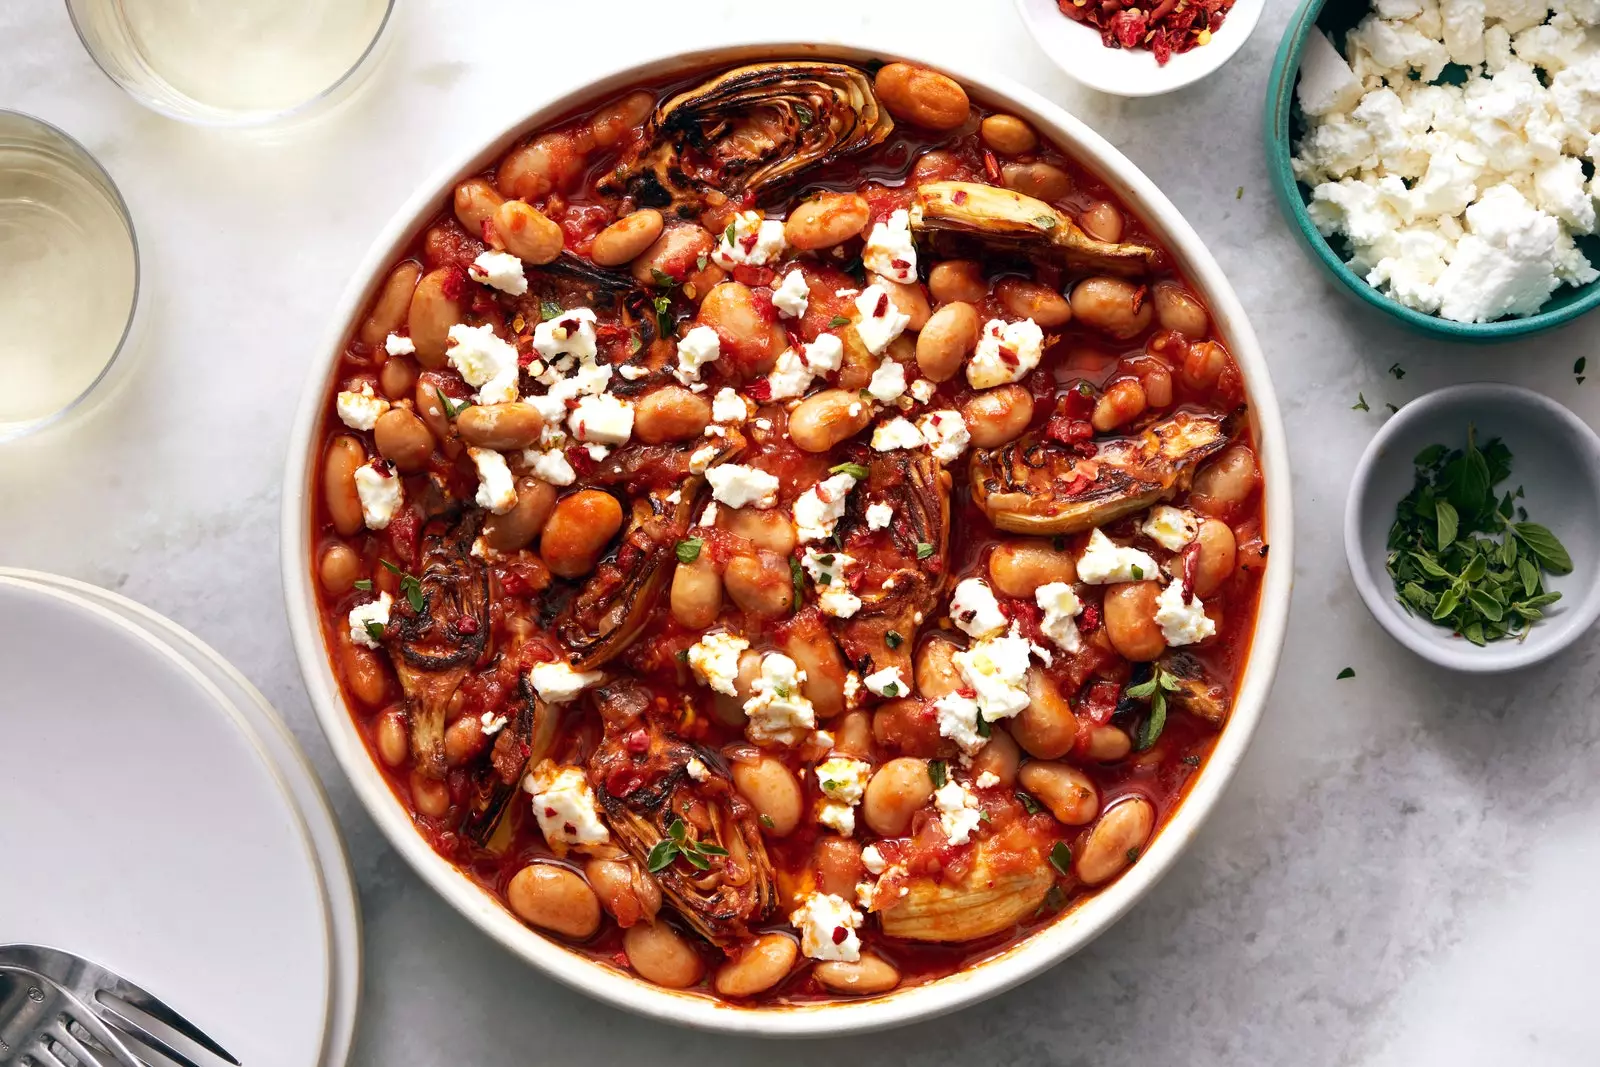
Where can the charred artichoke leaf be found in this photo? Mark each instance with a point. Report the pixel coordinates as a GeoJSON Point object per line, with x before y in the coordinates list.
{"type": "Point", "coordinates": [750, 129]}
{"type": "Point", "coordinates": [1197, 693]}
{"type": "Point", "coordinates": [1035, 486]}
{"type": "Point", "coordinates": [949, 213]}
{"type": "Point", "coordinates": [986, 901]}
{"type": "Point", "coordinates": [521, 745]}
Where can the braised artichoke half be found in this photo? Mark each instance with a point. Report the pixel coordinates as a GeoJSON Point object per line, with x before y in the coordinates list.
{"type": "Point", "coordinates": [519, 747]}
{"type": "Point", "coordinates": [750, 129]}
{"type": "Point", "coordinates": [918, 489]}
{"type": "Point", "coordinates": [1197, 693]}
{"type": "Point", "coordinates": [701, 837]}
{"type": "Point", "coordinates": [438, 629]}
{"type": "Point", "coordinates": [1035, 486]}
{"type": "Point", "coordinates": [986, 900]}
{"type": "Point", "coordinates": [954, 216]}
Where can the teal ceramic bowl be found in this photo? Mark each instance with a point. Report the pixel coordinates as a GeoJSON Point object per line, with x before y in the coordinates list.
{"type": "Point", "coordinates": [1281, 127]}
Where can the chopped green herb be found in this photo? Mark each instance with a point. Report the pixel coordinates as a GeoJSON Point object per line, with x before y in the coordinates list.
{"type": "Point", "coordinates": [1348, 672]}
{"type": "Point", "coordinates": [839, 320]}
{"type": "Point", "coordinates": [1061, 857]}
{"type": "Point", "coordinates": [634, 343]}
{"type": "Point", "coordinates": [1138, 572]}
{"type": "Point", "coordinates": [1055, 900]}
{"type": "Point", "coordinates": [364, 584]}
{"type": "Point", "coordinates": [854, 470]}
{"type": "Point", "coordinates": [1397, 370]}
{"type": "Point", "coordinates": [1046, 222]}
{"type": "Point", "coordinates": [1133, 854]}
{"type": "Point", "coordinates": [410, 587]}
{"type": "Point", "coordinates": [1238, 194]}
{"type": "Point", "coordinates": [1360, 404]}
{"type": "Point", "coordinates": [938, 773]}
{"type": "Point", "coordinates": [1155, 690]}
{"type": "Point", "coordinates": [983, 727]}
{"type": "Point", "coordinates": [662, 278]}
{"type": "Point", "coordinates": [1393, 408]}
{"type": "Point", "coordinates": [797, 576]}
{"type": "Point", "coordinates": [689, 550]}
{"type": "Point", "coordinates": [375, 630]}
{"type": "Point", "coordinates": [924, 550]}
{"type": "Point", "coordinates": [549, 309]}
{"type": "Point", "coordinates": [729, 233]}
{"type": "Point", "coordinates": [766, 820]}
{"type": "Point", "coordinates": [893, 639]}
{"type": "Point", "coordinates": [1029, 805]}
{"type": "Point", "coordinates": [1577, 367]}
{"type": "Point", "coordinates": [804, 114]}
{"type": "Point", "coordinates": [892, 689]}
{"type": "Point", "coordinates": [452, 408]}
{"type": "Point", "coordinates": [700, 261]}
{"type": "Point", "coordinates": [678, 844]}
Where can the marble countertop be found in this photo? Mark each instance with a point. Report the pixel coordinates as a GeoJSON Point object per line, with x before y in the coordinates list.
{"type": "Point", "coordinates": [1399, 874]}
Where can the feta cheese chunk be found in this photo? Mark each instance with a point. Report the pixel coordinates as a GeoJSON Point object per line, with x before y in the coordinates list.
{"type": "Point", "coordinates": [896, 433]}
{"type": "Point", "coordinates": [889, 251]}
{"type": "Point", "coordinates": [778, 712]}
{"type": "Point", "coordinates": [872, 859]}
{"type": "Point", "coordinates": [602, 420]}
{"type": "Point", "coordinates": [888, 682]}
{"type": "Point", "coordinates": [996, 669]}
{"type": "Point", "coordinates": [359, 409]}
{"type": "Point", "coordinates": [700, 459]}
{"type": "Point", "coordinates": [485, 361]}
{"type": "Point", "coordinates": [1170, 527]}
{"type": "Point", "coordinates": [396, 345]}
{"type": "Point", "coordinates": [1182, 623]}
{"type": "Point", "coordinates": [492, 723]}
{"type": "Point", "coordinates": [379, 490]}
{"type": "Point", "coordinates": [696, 348]}
{"type": "Point", "coordinates": [715, 659]}
{"type": "Point", "coordinates": [843, 778]}
{"type": "Point", "coordinates": [833, 588]}
{"type": "Point", "coordinates": [363, 617]}
{"type": "Point", "coordinates": [818, 510]}
{"type": "Point", "coordinates": [879, 322]}
{"type": "Point", "coordinates": [499, 270]}
{"type": "Point", "coordinates": [739, 486]}
{"type": "Point", "coordinates": [697, 769]}
{"type": "Point", "coordinates": [825, 354]}
{"type": "Point", "coordinates": [749, 238]}
{"type": "Point", "coordinates": [790, 377]}
{"type": "Point", "coordinates": [1327, 85]}
{"type": "Point", "coordinates": [922, 390]}
{"type": "Point", "coordinates": [879, 516]}
{"type": "Point", "coordinates": [564, 805]}
{"type": "Point", "coordinates": [557, 683]}
{"type": "Point", "coordinates": [959, 813]}
{"type": "Point", "coordinates": [497, 491]}
{"type": "Point", "coordinates": [728, 407]}
{"type": "Point", "coordinates": [1060, 606]}
{"type": "Point", "coordinates": [827, 926]}
{"type": "Point", "coordinates": [570, 333]}
{"type": "Point", "coordinates": [974, 608]}
{"type": "Point", "coordinates": [946, 433]}
{"type": "Point", "coordinates": [840, 818]}
{"type": "Point", "coordinates": [888, 382]}
{"type": "Point", "coordinates": [958, 721]}
{"type": "Point", "coordinates": [1104, 562]}
{"type": "Point", "coordinates": [793, 296]}
{"type": "Point", "coordinates": [1007, 351]}
{"type": "Point", "coordinates": [552, 466]}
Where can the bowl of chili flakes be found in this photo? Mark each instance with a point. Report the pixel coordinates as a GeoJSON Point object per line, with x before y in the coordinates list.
{"type": "Point", "coordinates": [1139, 47]}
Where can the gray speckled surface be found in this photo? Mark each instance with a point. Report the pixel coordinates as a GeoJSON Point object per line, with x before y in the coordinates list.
{"type": "Point", "coordinates": [1399, 873]}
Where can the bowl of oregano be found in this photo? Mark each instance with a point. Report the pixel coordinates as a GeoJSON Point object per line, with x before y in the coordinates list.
{"type": "Point", "coordinates": [1472, 527]}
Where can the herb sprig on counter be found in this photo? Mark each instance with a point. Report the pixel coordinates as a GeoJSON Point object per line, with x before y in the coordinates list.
{"type": "Point", "coordinates": [1464, 555]}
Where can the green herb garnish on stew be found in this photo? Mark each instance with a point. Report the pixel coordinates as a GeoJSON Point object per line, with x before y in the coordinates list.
{"type": "Point", "coordinates": [924, 550]}
{"type": "Point", "coordinates": [1155, 690]}
{"type": "Point", "coordinates": [1463, 555]}
{"type": "Point", "coordinates": [1061, 857]}
{"type": "Point", "coordinates": [678, 843]}
{"type": "Point", "coordinates": [689, 551]}
{"type": "Point", "coordinates": [854, 470]}
{"type": "Point", "coordinates": [410, 587]}
{"type": "Point", "coordinates": [938, 773]}
{"type": "Point", "coordinates": [839, 320]}
{"type": "Point", "coordinates": [364, 584]}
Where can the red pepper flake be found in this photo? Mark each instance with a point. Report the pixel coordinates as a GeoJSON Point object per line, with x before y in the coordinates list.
{"type": "Point", "coordinates": [549, 812]}
{"type": "Point", "coordinates": [899, 264]}
{"type": "Point", "coordinates": [467, 624]}
{"type": "Point", "coordinates": [1008, 355]}
{"type": "Point", "coordinates": [1168, 28]}
{"type": "Point", "coordinates": [960, 197]}
{"type": "Point", "coordinates": [1089, 620]}
{"type": "Point", "coordinates": [840, 934]}
{"type": "Point", "coordinates": [760, 391]}
{"type": "Point", "coordinates": [454, 283]}
{"type": "Point", "coordinates": [883, 306]}
{"type": "Point", "coordinates": [991, 167]}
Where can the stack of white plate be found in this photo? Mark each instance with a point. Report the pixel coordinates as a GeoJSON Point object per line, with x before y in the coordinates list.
{"type": "Point", "coordinates": [157, 818]}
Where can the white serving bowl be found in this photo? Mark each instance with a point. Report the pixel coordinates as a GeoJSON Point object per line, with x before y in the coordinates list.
{"type": "Point", "coordinates": [1077, 49]}
{"type": "Point", "coordinates": [1034, 954]}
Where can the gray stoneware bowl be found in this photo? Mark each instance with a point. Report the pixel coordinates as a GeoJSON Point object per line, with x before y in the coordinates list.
{"type": "Point", "coordinates": [1555, 458]}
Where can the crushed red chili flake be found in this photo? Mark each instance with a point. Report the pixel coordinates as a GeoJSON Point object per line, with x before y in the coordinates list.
{"type": "Point", "coordinates": [960, 196]}
{"type": "Point", "coordinates": [1168, 28]}
{"type": "Point", "coordinates": [1089, 619]}
{"type": "Point", "coordinates": [883, 305]}
{"type": "Point", "coordinates": [839, 935]}
{"type": "Point", "coordinates": [454, 283]}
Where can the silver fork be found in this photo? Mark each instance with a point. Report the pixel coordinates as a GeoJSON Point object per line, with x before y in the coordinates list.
{"type": "Point", "coordinates": [98, 1017]}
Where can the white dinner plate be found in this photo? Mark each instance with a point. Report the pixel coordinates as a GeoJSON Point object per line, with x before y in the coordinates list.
{"type": "Point", "coordinates": [343, 908]}
{"type": "Point", "coordinates": [146, 827]}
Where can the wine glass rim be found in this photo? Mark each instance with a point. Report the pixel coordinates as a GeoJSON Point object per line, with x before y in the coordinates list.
{"type": "Point", "coordinates": [224, 117]}
{"type": "Point", "coordinates": [86, 162]}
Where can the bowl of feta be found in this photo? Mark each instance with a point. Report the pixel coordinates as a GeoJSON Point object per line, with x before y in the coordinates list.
{"type": "Point", "coordinates": [1439, 158]}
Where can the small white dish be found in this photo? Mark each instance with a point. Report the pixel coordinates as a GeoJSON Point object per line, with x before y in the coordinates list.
{"type": "Point", "coordinates": [161, 840]}
{"type": "Point", "coordinates": [343, 907]}
{"type": "Point", "coordinates": [1077, 49]}
{"type": "Point", "coordinates": [1555, 458]}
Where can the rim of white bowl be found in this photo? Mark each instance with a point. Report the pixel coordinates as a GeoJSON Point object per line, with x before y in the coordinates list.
{"type": "Point", "coordinates": [1077, 50]}
{"type": "Point", "coordinates": [1038, 951]}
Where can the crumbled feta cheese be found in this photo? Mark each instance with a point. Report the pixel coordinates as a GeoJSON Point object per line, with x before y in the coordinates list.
{"type": "Point", "coordinates": [778, 712]}
{"type": "Point", "coordinates": [1104, 562]}
{"type": "Point", "coordinates": [1182, 623]}
{"type": "Point", "coordinates": [557, 683]}
{"type": "Point", "coordinates": [697, 770]}
{"type": "Point", "coordinates": [698, 347]}
{"type": "Point", "coordinates": [602, 420]}
{"type": "Point", "coordinates": [793, 296]}
{"type": "Point", "coordinates": [818, 510]}
{"type": "Point", "coordinates": [397, 345]}
{"type": "Point", "coordinates": [708, 517]}
{"type": "Point", "coordinates": [632, 372]}
{"type": "Point", "coordinates": [497, 491]}
{"type": "Point", "coordinates": [959, 812]}
{"type": "Point", "coordinates": [700, 459]}
{"type": "Point", "coordinates": [1327, 84]}
{"type": "Point", "coordinates": [372, 613]}
{"type": "Point", "coordinates": [879, 516]}
{"type": "Point", "coordinates": [888, 381]}
{"type": "Point", "coordinates": [843, 778]}
{"type": "Point", "coordinates": [485, 361]}
{"type": "Point", "coordinates": [888, 682]}
{"type": "Point", "coordinates": [996, 669]}
{"type": "Point", "coordinates": [715, 658]}
{"type": "Point", "coordinates": [946, 433]}
{"type": "Point", "coordinates": [564, 805]}
{"type": "Point", "coordinates": [1007, 351]}
{"type": "Point", "coordinates": [751, 239]}
{"type": "Point", "coordinates": [827, 573]}
{"type": "Point", "coordinates": [872, 859]}
{"type": "Point", "coordinates": [974, 608]}
{"type": "Point", "coordinates": [958, 721]}
{"type": "Point", "coordinates": [1170, 527]}
{"type": "Point", "coordinates": [789, 377]}
{"type": "Point", "coordinates": [380, 493]}
{"type": "Point", "coordinates": [879, 321]}
{"type": "Point", "coordinates": [824, 354]}
{"type": "Point", "coordinates": [740, 486]}
{"type": "Point", "coordinates": [570, 333]}
{"type": "Point", "coordinates": [840, 818]}
{"type": "Point", "coordinates": [499, 270]}
{"type": "Point", "coordinates": [728, 407]}
{"type": "Point", "coordinates": [492, 723]}
{"type": "Point", "coordinates": [359, 409]}
{"type": "Point", "coordinates": [922, 390]}
{"type": "Point", "coordinates": [552, 466]}
{"type": "Point", "coordinates": [896, 433]}
{"type": "Point", "coordinates": [1060, 606]}
{"type": "Point", "coordinates": [986, 780]}
{"type": "Point", "coordinates": [889, 251]}
{"type": "Point", "coordinates": [827, 926]}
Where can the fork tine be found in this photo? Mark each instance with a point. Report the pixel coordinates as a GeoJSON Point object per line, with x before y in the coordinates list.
{"type": "Point", "coordinates": [116, 986]}
{"type": "Point", "coordinates": [85, 1056]}
{"type": "Point", "coordinates": [130, 1027]}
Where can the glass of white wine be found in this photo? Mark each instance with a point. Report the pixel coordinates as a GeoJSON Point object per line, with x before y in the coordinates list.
{"type": "Point", "coordinates": [232, 62]}
{"type": "Point", "coordinates": [69, 274]}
